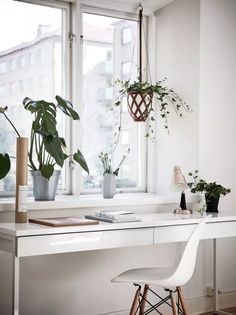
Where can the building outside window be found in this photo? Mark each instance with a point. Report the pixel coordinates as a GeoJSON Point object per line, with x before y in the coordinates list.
{"type": "Point", "coordinates": [21, 46]}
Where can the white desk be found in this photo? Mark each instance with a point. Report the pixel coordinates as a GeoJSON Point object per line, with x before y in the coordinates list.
{"type": "Point", "coordinates": [22, 240]}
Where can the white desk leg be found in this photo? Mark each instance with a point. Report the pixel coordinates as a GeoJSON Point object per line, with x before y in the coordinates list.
{"type": "Point", "coordinates": [215, 283]}
{"type": "Point", "coordinates": [15, 286]}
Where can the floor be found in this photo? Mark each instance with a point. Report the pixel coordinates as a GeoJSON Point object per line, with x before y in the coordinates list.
{"type": "Point", "coordinates": [230, 310]}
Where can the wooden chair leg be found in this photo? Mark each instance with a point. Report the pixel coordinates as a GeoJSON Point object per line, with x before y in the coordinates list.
{"type": "Point", "coordinates": [182, 301]}
{"type": "Point", "coordinates": [173, 303]}
{"type": "Point", "coordinates": [135, 303]}
{"type": "Point", "coordinates": [143, 301]}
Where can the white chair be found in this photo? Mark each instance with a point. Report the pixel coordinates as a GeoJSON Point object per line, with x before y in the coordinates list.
{"type": "Point", "coordinates": [171, 279]}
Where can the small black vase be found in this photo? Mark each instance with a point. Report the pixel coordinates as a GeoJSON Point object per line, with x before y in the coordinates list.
{"type": "Point", "coordinates": [212, 203]}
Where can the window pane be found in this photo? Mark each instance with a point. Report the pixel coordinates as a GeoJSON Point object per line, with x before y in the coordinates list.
{"type": "Point", "coordinates": [30, 51]}
{"type": "Point", "coordinates": [106, 59]}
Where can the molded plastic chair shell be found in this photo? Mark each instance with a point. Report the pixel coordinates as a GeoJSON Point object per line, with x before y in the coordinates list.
{"type": "Point", "coordinates": [169, 277]}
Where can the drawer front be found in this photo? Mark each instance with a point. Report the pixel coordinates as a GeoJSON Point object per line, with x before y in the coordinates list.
{"type": "Point", "coordinates": [66, 243]}
{"type": "Point", "coordinates": [170, 234]}
{"type": "Point", "coordinates": [179, 233]}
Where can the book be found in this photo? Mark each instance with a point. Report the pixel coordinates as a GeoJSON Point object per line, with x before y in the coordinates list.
{"type": "Point", "coordinates": [116, 214]}
{"type": "Point", "coordinates": [121, 219]}
{"type": "Point", "coordinates": [63, 221]}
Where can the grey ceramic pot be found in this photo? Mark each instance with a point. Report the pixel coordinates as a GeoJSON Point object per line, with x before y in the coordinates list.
{"type": "Point", "coordinates": [109, 185]}
{"type": "Point", "coordinates": [43, 188]}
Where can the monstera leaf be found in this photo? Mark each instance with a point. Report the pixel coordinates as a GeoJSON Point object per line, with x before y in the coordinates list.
{"type": "Point", "coordinates": [67, 108]}
{"type": "Point", "coordinates": [5, 165]}
{"type": "Point", "coordinates": [45, 112]}
{"type": "Point", "coordinates": [79, 158]}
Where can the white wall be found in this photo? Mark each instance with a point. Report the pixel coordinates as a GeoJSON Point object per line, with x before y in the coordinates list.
{"type": "Point", "coordinates": [196, 50]}
{"type": "Point", "coordinates": [177, 58]}
{"type": "Point", "coordinates": [217, 114]}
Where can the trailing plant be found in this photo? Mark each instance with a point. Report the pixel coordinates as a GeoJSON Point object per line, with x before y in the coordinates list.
{"type": "Point", "coordinates": [5, 162]}
{"type": "Point", "coordinates": [45, 143]}
{"type": "Point", "coordinates": [211, 189]}
{"type": "Point", "coordinates": [165, 97]}
{"type": "Point", "coordinates": [106, 160]}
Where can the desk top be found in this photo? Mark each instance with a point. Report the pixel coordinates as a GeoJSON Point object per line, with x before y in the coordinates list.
{"type": "Point", "coordinates": [147, 221]}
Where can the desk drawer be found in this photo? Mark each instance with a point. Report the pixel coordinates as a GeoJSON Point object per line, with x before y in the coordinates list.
{"type": "Point", "coordinates": [170, 234]}
{"type": "Point", "coordinates": [180, 233]}
{"type": "Point", "coordinates": [74, 242]}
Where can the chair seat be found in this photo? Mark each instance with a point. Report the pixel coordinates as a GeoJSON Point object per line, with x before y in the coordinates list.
{"type": "Point", "coordinates": [151, 276]}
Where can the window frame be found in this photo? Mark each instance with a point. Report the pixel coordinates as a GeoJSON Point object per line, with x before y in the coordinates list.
{"type": "Point", "coordinates": [71, 31]}
{"type": "Point", "coordinates": [67, 74]}
{"type": "Point", "coordinates": [141, 133]}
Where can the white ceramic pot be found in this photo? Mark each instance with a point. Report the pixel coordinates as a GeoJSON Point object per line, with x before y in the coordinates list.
{"type": "Point", "coordinates": [109, 185]}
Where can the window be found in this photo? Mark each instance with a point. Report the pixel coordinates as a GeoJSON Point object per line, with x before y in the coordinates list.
{"type": "Point", "coordinates": [126, 35]}
{"type": "Point", "coordinates": [105, 60]}
{"type": "Point", "coordinates": [25, 49]}
{"type": "Point", "coordinates": [3, 67]}
{"type": "Point", "coordinates": [13, 64]}
{"type": "Point", "coordinates": [125, 70]}
{"type": "Point", "coordinates": [39, 66]}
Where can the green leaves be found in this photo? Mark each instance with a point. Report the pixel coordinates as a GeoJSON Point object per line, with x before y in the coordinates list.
{"type": "Point", "coordinates": [47, 170]}
{"type": "Point", "coordinates": [46, 143]}
{"type": "Point", "coordinates": [67, 108]}
{"type": "Point", "coordinates": [79, 158]}
{"type": "Point", "coordinates": [212, 189]}
{"type": "Point", "coordinates": [45, 115]}
{"type": "Point", "coordinates": [5, 165]}
{"type": "Point", "coordinates": [53, 146]}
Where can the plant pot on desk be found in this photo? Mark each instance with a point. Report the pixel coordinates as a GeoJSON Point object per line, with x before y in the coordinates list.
{"type": "Point", "coordinates": [212, 203]}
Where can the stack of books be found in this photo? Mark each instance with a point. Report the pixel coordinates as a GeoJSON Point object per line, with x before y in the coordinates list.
{"type": "Point", "coordinates": [114, 216]}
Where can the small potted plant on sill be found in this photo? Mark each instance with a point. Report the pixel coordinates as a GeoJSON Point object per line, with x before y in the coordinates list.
{"type": "Point", "coordinates": [109, 180]}
{"type": "Point", "coordinates": [212, 191]}
{"type": "Point", "coordinates": [139, 100]}
{"type": "Point", "coordinates": [47, 148]}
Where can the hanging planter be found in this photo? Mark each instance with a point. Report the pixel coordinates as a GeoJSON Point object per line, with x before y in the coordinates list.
{"type": "Point", "coordinates": [139, 105]}
{"type": "Point", "coordinates": [140, 95]}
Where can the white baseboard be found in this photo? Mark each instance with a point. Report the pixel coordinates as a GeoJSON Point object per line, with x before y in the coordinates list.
{"type": "Point", "coordinates": [197, 305]}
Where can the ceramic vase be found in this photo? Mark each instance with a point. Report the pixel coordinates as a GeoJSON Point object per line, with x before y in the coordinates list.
{"type": "Point", "coordinates": [109, 185]}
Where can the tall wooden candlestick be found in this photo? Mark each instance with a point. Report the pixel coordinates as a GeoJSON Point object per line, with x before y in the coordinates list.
{"type": "Point", "coordinates": [21, 177]}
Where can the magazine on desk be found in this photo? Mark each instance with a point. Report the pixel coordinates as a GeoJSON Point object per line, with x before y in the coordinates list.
{"type": "Point", "coordinates": [114, 216]}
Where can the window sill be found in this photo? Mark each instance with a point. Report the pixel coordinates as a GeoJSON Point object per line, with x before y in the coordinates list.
{"type": "Point", "coordinates": [88, 201]}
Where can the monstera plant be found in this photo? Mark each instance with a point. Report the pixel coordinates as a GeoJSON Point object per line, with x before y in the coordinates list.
{"type": "Point", "coordinates": [47, 147]}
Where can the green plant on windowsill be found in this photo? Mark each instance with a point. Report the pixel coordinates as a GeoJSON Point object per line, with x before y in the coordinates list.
{"type": "Point", "coordinates": [212, 191]}
{"type": "Point", "coordinates": [165, 97]}
{"type": "Point", "coordinates": [5, 162]}
{"type": "Point", "coordinates": [106, 160]}
{"type": "Point", "coordinates": [45, 143]}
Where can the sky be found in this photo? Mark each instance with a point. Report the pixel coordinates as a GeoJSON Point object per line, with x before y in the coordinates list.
{"type": "Point", "coordinates": [19, 21]}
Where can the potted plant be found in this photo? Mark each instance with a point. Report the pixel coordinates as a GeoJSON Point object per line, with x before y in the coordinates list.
{"type": "Point", "coordinates": [109, 181]}
{"type": "Point", "coordinates": [47, 148]}
{"type": "Point", "coordinates": [212, 191]}
{"type": "Point", "coordinates": [5, 162]}
{"type": "Point", "coordinates": [140, 96]}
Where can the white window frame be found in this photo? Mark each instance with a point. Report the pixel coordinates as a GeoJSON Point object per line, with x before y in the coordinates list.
{"type": "Point", "coordinates": [73, 88]}
{"type": "Point", "coordinates": [76, 183]}
{"type": "Point", "coordinates": [66, 30]}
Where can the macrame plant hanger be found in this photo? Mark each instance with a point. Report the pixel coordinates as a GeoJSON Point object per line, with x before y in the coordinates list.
{"type": "Point", "coordinates": [139, 103]}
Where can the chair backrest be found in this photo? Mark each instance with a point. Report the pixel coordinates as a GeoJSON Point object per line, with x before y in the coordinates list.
{"type": "Point", "coordinates": [186, 266]}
